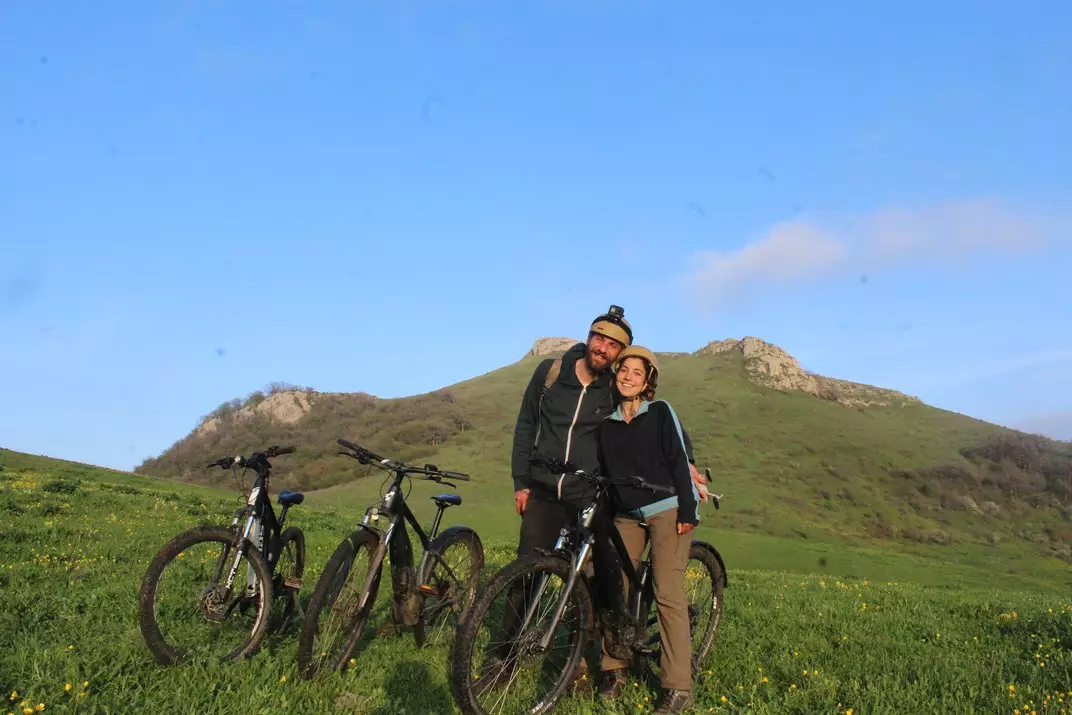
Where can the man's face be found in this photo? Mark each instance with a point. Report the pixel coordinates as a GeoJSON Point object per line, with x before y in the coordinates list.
{"type": "Point", "coordinates": [601, 352]}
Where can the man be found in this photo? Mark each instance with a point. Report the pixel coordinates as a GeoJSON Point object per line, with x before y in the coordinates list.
{"type": "Point", "coordinates": [560, 422]}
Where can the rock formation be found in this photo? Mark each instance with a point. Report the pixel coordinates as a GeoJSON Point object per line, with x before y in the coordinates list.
{"type": "Point", "coordinates": [550, 346]}
{"type": "Point", "coordinates": [286, 407]}
{"type": "Point", "coordinates": [773, 367]}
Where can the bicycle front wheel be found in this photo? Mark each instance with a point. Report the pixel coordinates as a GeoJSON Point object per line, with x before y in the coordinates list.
{"type": "Point", "coordinates": [499, 663]}
{"type": "Point", "coordinates": [336, 618]}
{"type": "Point", "coordinates": [187, 611]}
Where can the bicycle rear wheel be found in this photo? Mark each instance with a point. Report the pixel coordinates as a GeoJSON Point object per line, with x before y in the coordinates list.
{"type": "Point", "coordinates": [447, 585]}
{"type": "Point", "coordinates": [286, 578]}
{"type": "Point", "coordinates": [497, 664]}
{"type": "Point", "coordinates": [335, 618]}
{"type": "Point", "coordinates": [705, 583]}
{"type": "Point", "coordinates": [185, 609]}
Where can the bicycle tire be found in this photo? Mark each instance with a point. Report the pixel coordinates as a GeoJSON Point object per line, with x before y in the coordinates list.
{"type": "Point", "coordinates": [699, 551]}
{"type": "Point", "coordinates": [452, 536]}
{"type": "Point", "coordinates": [461, 681]}
{"type": "Point", "coordinates": [339, 564]}
{"type": "Point", "coordinates": [165, 653]}
{"type": "Point", "coordinates": [289, 597]}
{"type": "Point", "coordinates": [704, 554]}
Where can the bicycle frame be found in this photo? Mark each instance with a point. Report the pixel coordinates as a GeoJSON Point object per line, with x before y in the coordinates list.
{"type": "Point", "coordinates": [638, 578]}
{"type": "Point", "coordinates": [399, 516]}
{"type": "Point", "coordinates": [260, 518]}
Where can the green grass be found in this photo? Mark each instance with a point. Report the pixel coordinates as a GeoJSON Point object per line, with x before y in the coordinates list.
{"type": "Point", "coordinates": [876, 630]}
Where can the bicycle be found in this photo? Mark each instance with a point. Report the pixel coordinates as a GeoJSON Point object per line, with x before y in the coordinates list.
{"type": "Point", "coordinates": [237, 603]}
{"type": "Point", "coordinates": [423, 599]}
{"type": "Point", "coordinates": [629, 626]}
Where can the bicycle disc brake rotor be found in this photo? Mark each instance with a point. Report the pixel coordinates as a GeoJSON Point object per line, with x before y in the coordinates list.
{"type": "Point", "coordinates": [215, 604]}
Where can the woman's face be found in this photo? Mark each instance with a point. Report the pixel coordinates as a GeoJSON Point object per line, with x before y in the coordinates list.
{"type": "Point", "coordinates": [632, 377]}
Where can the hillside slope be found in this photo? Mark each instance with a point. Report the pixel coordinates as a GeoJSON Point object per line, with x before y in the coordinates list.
{"type": "Point", "coordinates": [797, 454]}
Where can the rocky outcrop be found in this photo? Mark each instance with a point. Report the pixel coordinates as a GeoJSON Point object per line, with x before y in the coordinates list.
{"type": "Point", "coordinates": [286, 407]}
{"type": "Point", "coordinates": [550, 346]}
{"type": "Point", "coordinates": [771, 366]}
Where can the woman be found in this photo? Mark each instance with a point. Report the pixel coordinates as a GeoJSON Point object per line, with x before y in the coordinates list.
{"type": "Point", "coordinates": [643, 438]}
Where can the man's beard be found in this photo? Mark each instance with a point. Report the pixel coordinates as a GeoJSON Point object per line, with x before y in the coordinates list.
{"type": "Point", "coordinates": [588, 359]}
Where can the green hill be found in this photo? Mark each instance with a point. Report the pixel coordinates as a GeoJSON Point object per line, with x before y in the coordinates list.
{"type": "Point", "coordinates": [797, 455]}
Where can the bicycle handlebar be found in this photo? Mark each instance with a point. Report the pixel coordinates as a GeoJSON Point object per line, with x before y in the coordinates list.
{"type": "Point", "coordinates": [430, 471]}
{"type": "Point", "coordinates": [240, 461]}
{"type": "Point", "coordinates": [559, 467]}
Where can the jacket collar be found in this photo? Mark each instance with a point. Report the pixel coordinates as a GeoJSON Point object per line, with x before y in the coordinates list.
{"type": "Point", "coordinates": [617, 414]}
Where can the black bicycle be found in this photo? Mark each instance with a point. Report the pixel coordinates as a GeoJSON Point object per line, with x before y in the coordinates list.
{"type": "Point", "coordinates": [439, 590]}
{"type": "Point", "coordinates": [197, 581]}
{"type": "Point", "coordinates": [538, 611]}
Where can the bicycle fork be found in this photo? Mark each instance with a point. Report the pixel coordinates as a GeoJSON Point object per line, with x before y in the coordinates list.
{"type": "Point", "coordinates": [248, 530]}
{"type": "Point", "coordinates": [575, 572]}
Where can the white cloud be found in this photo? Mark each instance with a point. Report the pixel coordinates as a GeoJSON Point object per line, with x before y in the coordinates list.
{"type": "Point", "coordinates": [790, 252]}
{"type": "Point", "coordinates": [799, 251]}
{"type": "Point", "coordinates": [947, 231]}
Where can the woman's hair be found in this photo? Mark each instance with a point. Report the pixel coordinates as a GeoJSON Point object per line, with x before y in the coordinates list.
{"type": "Point", "coordinates": [653, 382]}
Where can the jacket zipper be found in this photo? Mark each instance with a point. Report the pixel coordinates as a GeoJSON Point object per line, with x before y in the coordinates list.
{"type": "Point", "coordinates": [569, 434]}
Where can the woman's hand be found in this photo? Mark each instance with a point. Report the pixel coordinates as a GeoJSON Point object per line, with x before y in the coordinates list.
{"type": "Point", "coordinates": [700, 482]}
{"type": "Point", "coordinates": [683, 529]}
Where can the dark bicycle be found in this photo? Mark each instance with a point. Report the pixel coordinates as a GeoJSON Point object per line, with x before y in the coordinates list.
{"type": "Point", "coordinates": [199, 578]}
{"type": "Point", "coordinates": [426, 598]}
{"type": "Point", "coordinates": [538, 611]}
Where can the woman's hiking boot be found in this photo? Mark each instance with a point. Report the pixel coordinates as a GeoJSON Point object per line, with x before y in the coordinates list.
{"type": "Point", "coordinates": [674, 701]}
{"type": "Point", "coordinates": [611, 684]}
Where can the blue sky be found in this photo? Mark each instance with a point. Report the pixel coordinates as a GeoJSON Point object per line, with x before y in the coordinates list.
{"type": "Point", "coordinates": [198, 198]}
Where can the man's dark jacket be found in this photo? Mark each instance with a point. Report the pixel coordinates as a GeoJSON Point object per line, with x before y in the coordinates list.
{"type": "Point", "coordinates": [564, 428]}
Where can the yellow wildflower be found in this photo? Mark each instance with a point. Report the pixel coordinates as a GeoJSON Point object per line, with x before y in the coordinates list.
{"type": "Point", "coordinates": [283, 679]}
{"type": "Point", "coordinates": [67, 687]}
{"type": "Point", "coordinates": [724, 699]}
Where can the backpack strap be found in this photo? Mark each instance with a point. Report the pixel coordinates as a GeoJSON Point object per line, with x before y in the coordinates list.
{"type": "Point", "coordinates": [551, 370]}
{"type": "Point", "coordinates": [552, 375]}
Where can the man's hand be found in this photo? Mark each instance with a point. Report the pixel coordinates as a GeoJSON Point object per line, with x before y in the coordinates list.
{"type": "Point", "coordinates": [521, 500]}
{"type": "Point", "coordinates": [701, 485]}
{"type": "Point", "coordinates": [683, 529]}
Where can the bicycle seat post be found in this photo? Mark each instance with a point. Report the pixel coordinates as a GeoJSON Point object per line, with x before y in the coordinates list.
{"type": "Point", "coordinates": [437, 520]}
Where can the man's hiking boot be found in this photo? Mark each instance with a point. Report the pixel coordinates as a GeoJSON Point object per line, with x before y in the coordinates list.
{"type": "Point", "coordinates": [674, 701]}
{"type": "Point", "coordinates": [611, 684]}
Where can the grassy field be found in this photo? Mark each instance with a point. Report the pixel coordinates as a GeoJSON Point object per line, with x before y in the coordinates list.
{"type": "Point", "coordinates": [872, 630]}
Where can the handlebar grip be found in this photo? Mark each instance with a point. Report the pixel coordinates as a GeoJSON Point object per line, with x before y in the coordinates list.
{"type": "Point", "coordinates": [665, 491]}
{"type": "Point", "coordinates": [460, 476]}
{"type": "Point", "coordinates": [349, 445]}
